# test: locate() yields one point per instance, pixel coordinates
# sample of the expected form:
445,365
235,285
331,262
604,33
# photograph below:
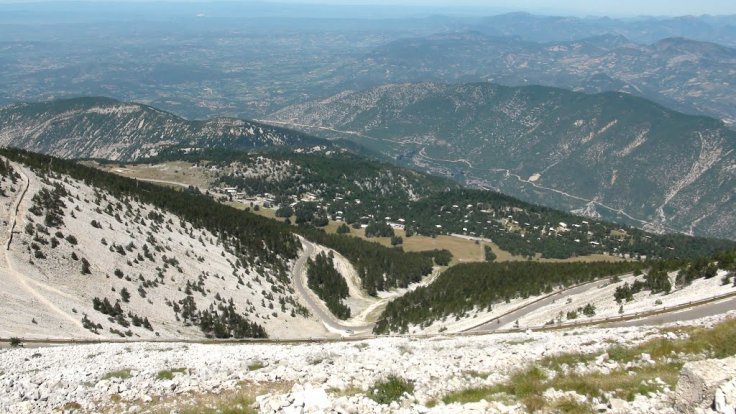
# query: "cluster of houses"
507,223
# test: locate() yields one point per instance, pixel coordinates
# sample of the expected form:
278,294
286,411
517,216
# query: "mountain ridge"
684,74
99,127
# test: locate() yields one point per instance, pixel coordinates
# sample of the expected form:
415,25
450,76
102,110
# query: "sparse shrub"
390,389
90,326
85,267
255,366
72,406
490,255
15,342
125,295
120,374
169,373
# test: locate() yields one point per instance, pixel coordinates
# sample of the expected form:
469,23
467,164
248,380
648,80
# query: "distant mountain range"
114,130
537,28
687,75
244,65
610,154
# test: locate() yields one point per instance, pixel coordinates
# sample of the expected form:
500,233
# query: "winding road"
681,314
345,328
316,306
496,323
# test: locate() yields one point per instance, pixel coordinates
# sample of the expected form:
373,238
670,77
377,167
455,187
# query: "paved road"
495,324
315,305
697,312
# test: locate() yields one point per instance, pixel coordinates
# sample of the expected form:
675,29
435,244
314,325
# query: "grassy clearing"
390,389
168,374
174,171
121,374
528,385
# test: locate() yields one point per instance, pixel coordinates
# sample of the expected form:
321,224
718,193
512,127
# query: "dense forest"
328,284
469,286
379,267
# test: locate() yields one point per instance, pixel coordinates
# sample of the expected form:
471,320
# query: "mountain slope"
611,154
110,129
88,261
92,254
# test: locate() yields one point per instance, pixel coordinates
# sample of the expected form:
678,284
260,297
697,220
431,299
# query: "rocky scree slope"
608,155
110,129
339,377
89,262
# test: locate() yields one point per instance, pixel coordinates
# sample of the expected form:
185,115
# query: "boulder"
699,380
725,398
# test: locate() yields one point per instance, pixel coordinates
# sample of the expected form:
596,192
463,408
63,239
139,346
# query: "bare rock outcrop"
701,381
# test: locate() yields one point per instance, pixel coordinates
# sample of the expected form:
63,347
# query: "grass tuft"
255,366
571,406
168,374
121,374
390,389
71,406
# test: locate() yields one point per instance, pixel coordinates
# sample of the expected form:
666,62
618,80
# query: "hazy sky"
580,7
567,7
